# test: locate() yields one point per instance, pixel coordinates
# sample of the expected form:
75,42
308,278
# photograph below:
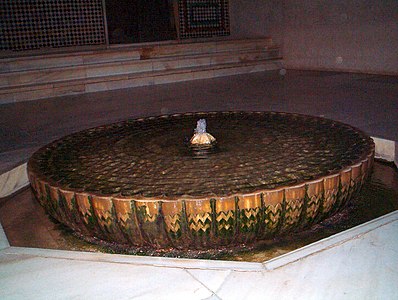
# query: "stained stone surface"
139,182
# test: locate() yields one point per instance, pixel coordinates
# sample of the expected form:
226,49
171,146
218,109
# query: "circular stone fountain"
141,183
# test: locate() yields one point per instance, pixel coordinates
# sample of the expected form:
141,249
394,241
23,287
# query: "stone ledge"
128,80
53,75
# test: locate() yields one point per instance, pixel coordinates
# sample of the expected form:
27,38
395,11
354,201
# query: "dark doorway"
137,21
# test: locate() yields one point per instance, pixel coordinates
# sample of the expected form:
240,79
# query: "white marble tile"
45,91
203,74
119,68
13,180
46,278
235,46
173,77
362,268
194,62
45,62
173,50
212,279
3,239
111,56
69,89
224,59
384,149
231,71
240,285
46,76
161,64
119,84
329,242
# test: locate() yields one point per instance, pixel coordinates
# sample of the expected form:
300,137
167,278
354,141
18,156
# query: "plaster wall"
353,35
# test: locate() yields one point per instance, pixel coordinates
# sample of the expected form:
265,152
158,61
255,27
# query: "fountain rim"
364,158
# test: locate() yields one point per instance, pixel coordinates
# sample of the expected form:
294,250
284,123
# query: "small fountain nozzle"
201,137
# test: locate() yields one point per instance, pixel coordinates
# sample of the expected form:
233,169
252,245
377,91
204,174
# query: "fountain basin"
137,183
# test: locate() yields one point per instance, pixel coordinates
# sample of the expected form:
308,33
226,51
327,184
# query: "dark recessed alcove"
137,21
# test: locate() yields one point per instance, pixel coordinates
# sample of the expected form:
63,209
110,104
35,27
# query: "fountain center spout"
201,137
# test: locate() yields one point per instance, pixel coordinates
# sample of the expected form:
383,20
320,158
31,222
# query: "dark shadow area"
137,21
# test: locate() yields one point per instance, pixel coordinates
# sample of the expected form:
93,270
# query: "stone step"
119,81
20,78
205,48
51,75
135,52
49,61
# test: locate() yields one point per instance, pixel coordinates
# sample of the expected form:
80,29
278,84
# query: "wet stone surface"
151,157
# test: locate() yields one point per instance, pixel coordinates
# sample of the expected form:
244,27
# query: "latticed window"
37,24
33,24
203,18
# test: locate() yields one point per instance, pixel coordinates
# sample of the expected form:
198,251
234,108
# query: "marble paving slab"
361,267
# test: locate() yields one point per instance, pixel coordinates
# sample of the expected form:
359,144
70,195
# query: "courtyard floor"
356,264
